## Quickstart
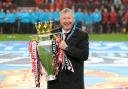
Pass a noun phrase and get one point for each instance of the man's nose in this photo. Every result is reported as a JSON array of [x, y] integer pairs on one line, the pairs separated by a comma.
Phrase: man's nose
[[66, 20]]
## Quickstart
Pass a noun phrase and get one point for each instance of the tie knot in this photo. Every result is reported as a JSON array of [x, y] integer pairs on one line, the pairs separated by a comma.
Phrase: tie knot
[[65, 34]]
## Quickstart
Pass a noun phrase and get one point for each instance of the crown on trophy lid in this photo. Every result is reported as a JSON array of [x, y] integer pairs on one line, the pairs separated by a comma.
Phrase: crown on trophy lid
[[43, 28]]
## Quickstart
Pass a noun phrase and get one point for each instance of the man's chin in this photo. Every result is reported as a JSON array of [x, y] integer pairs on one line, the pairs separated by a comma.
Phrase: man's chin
[[67, 29]]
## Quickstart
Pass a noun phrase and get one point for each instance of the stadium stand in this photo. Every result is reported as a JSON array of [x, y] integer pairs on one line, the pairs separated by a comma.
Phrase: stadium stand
[[98, 16]]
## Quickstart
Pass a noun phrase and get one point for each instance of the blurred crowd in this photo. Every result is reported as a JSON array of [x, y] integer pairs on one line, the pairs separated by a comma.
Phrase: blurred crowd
[[93, 16]]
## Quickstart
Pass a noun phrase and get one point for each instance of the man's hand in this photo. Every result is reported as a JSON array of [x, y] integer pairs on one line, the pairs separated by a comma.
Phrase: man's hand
[[63, 45]]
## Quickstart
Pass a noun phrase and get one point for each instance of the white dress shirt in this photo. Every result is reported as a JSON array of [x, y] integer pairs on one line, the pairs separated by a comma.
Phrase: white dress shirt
[[63, 33]]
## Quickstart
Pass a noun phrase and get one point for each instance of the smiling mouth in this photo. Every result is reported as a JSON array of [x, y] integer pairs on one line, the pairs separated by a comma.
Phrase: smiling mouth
[[66, 24]]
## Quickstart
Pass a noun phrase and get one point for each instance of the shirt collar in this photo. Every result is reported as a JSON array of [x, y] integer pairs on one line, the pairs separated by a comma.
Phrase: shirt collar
[[63, 31]]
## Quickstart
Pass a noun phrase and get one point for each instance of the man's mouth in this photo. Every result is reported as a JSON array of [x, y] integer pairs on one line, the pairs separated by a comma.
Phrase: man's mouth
[[66, 24]]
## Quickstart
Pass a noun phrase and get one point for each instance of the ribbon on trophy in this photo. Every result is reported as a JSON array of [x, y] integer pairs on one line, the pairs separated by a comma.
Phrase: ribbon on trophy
[[54, 56], [66, 64], [58, 54], [61, 57], [36, 65]]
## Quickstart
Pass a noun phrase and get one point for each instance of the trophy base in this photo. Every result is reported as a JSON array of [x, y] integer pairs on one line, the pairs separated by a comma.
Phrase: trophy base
[[51, 78]]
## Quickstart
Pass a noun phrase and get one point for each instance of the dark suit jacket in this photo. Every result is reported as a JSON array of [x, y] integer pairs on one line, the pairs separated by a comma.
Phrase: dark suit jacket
[[77, 52]]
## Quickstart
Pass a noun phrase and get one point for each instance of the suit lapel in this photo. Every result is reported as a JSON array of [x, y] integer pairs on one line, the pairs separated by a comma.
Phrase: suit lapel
[[70, 34]]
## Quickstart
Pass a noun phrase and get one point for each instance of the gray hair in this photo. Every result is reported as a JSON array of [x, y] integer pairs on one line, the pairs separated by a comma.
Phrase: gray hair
[[65, 10]]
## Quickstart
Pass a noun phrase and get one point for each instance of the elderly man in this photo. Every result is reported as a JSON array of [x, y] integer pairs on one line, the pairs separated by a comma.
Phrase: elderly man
[[76, 49]]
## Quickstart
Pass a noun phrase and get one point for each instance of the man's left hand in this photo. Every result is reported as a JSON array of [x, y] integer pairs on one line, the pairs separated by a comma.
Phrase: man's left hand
[[63, 45]]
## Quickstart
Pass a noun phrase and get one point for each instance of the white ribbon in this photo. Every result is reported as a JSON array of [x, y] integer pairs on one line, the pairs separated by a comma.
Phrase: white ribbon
[[66, 64]]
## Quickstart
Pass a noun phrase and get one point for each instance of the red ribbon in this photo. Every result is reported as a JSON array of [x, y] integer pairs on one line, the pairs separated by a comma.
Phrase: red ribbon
[[60, 52], [60, 56], [35, 62]]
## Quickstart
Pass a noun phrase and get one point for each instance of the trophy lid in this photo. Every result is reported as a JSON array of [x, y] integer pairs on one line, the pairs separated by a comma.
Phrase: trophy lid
[[43, 28]]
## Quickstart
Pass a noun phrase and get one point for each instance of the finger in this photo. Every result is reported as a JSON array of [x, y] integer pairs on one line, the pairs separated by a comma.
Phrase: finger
[[60, 45], [63, 42]]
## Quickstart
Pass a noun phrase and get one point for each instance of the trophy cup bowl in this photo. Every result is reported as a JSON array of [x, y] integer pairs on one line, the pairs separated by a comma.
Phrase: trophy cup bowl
[[44, 50]]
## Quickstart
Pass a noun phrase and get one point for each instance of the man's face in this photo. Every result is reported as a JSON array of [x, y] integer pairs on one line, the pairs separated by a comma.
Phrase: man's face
[[67, 20]]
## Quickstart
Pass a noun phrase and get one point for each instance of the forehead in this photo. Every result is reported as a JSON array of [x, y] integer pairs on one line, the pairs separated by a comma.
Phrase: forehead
[[67, 14]]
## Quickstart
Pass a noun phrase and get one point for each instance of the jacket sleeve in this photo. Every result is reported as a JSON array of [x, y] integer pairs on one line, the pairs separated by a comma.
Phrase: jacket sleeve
[[82, 51]]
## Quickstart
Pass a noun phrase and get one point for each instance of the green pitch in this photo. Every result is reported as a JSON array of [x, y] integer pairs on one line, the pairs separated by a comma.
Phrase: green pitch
[[108, 37], [92, 37]]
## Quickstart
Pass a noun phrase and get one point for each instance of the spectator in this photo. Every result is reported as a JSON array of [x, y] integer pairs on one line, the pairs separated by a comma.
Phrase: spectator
[[57, 15], [88, 19], [58, 5], [37, 11], [46, 2], [33, 20], [53, 2], [97, 18], [10, 20], [86, 2], [1, 5], [39, 2], [2, 17], [7, 6], [105, 21], [113, 21], [64, 5], [3, 1], [79, 16], [117, 2], [18, 22], [25, 21], [56, 18], [107, 5], [119, 16], [41, 17], [47, 15], [124, 19], [51, 14]]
